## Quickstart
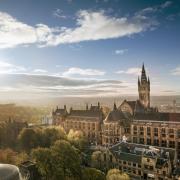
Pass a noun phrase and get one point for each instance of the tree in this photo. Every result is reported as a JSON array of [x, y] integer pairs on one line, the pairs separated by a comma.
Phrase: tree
[[77, 139], [116, 174], [52, 134], [66, 160], [30, 138], [44, 162], [60, 161], [93, 174], [8, 156], [96, 160]]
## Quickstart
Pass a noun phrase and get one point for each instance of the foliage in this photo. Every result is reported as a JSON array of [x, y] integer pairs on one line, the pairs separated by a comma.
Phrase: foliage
[[93, 174], [30, 138], [22, 113], [8, 156], [77, 139], [61, 161], [43, 159], [96, 160], [116, 174]]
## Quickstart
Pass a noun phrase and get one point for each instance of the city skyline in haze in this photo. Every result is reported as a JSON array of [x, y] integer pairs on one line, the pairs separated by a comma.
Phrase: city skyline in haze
[[88, 48]]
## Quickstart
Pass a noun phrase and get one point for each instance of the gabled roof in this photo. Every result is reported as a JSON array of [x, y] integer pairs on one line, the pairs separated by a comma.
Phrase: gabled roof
[[117, 116], [136, 106], [61, 112]]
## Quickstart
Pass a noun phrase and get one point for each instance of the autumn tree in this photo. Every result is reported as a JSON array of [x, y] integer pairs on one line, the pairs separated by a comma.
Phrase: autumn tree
[[61, 161], [93, 174], [116, 174], [96, 160], [77, 139]]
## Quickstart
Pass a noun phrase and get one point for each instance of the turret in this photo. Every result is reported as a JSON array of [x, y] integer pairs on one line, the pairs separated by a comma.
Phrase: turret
[[144, 88], [115, 107]]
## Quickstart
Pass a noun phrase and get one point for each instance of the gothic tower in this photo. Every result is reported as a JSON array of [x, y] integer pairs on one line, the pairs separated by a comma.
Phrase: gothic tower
[[144, 89]]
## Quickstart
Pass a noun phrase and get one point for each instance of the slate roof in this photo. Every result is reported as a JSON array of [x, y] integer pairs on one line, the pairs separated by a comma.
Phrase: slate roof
[[118, 116], [134, 152], [61, 112], [158, 116]]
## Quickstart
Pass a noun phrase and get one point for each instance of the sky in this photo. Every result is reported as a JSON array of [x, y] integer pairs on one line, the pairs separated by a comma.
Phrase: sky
[[88, 47]]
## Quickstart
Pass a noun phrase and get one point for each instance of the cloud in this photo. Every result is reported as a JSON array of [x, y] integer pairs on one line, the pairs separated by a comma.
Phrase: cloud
[[40, 71], [121, 51], [83, 72], [166, 4], [90, 26], [130, 71], [6, 67], [59, 86], [59, 13], [176, 71]]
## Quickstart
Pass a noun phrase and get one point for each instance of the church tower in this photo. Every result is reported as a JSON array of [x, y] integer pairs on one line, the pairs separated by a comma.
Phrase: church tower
[[144, 89]]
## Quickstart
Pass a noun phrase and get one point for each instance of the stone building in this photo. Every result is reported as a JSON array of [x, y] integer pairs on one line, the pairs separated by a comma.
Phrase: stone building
[[59, 116], [115, 126], [160, 129], [141, 161], [88, 121]]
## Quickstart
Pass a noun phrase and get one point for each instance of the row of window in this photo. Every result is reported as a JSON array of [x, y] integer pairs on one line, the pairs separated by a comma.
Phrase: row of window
[[155, 131], [80, 125], [154, 142]]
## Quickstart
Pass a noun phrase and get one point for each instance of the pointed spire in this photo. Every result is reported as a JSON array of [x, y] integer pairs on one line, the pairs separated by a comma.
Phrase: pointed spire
[[87, 106], [115, 107], [64, 107], [143, 74], [99, 105]]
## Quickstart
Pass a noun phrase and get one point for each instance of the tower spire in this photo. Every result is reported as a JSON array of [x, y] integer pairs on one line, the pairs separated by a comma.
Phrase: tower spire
[[143, 74]]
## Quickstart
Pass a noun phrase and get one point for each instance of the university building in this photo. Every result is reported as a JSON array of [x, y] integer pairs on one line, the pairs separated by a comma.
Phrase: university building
[[133, 122]]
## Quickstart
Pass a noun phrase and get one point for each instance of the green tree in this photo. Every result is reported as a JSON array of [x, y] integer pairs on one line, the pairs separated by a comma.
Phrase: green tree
[[77, 139], [96, 160], [66, 160], [52, 134], [30, 138], [60, 161], [116, 174], [43, 157], [93, 174]]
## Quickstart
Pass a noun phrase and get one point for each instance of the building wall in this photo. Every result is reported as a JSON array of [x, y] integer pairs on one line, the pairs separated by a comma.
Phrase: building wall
[[156, 134], [90, 128]]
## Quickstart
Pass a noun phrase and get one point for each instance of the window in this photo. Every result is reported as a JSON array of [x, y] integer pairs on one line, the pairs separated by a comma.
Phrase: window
[[134, 139], [141, 140], [171, 144], [135, 130], [155, 131], [171, 133], [148, 131], [178, 133], [148, 141], [141, 130], [156, 142], [163, 143], [163, 132]]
